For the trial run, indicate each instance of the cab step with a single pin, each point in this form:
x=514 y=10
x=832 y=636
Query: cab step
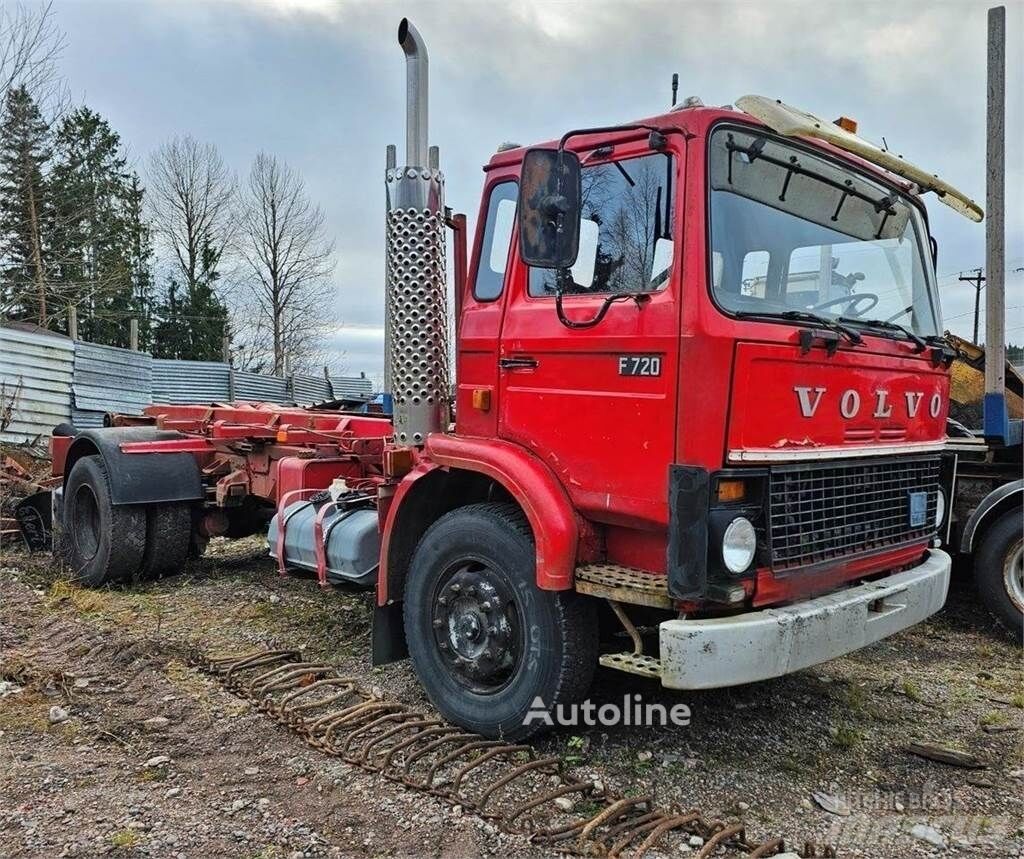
x=632 y=663
x=624 y=585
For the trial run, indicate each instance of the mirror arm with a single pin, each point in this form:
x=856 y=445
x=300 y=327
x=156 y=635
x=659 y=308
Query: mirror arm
x=597 y=317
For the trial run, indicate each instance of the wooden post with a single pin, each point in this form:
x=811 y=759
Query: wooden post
x=72 y=322
x=977 y=280
x=225 y=349
x=133 y=334
x=995 y=180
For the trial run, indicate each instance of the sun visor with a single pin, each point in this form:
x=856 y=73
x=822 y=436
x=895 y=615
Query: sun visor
x=814 y=189
x=792 y=122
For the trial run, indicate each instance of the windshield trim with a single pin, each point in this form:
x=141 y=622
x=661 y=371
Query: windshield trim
x=919 y=216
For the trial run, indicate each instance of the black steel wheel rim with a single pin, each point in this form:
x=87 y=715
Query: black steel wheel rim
x=477 y=625
x=86 y=520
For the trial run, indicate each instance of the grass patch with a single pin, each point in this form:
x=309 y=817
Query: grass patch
x=993 y=717
x=84 y=601
x=25 y=711
x=847 y=737
x=912 y=691
x=574 y=748
x=1017 y=699
x=124 y=839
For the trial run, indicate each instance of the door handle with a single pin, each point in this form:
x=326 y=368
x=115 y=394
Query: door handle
x=517 y=363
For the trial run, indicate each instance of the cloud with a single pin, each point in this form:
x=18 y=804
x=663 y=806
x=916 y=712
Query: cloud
x=321 y=84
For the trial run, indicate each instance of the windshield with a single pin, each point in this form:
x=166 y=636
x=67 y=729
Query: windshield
x=791 y=231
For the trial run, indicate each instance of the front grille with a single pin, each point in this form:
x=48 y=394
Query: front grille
x=821 y=512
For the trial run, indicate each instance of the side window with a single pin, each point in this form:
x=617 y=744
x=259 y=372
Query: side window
x=494 y=245
x=625 y=234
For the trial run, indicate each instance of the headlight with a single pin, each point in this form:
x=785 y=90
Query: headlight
x=940 y=508
x=738 y=545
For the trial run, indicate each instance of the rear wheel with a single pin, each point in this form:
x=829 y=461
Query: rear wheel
x=103 y=543
x=484 y=640
x=168 y=537
x=999 y=572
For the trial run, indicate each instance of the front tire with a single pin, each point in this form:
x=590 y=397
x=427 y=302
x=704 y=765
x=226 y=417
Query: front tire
x=999 y=572
x=103 y=543
x=484 y=640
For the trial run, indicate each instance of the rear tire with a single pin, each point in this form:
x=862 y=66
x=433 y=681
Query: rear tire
x=999 y=572
x=168 y=538
x=103 y=543
x=484 y=640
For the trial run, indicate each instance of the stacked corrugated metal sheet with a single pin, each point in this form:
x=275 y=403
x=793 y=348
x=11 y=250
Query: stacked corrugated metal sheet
x=351 y=387
x=264 y=389
x=109 y=379
x=47 y=379
x=309 y=389
x=176 y=381
x=35 y=383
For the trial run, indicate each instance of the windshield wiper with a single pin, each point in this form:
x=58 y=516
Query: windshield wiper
x=806 y=316
x=919 y=344
x=824 y=322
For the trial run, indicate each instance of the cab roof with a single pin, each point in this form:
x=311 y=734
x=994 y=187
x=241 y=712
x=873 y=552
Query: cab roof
x=696 y=121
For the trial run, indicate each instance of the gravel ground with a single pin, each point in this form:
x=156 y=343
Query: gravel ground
x=111 y=744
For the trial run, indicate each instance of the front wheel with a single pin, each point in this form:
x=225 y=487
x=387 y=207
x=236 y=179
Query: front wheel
x=485 y=642
x=999 y=572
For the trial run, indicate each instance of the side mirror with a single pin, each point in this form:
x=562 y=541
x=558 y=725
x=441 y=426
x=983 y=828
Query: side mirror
x=549 y=208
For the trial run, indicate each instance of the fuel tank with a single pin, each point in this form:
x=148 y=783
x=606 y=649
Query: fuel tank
x=350 y=535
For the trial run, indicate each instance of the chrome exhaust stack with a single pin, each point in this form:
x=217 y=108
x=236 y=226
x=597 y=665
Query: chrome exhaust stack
x=416 y=303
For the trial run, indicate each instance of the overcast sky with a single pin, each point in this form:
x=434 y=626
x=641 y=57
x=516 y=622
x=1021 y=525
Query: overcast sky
x=320 y=83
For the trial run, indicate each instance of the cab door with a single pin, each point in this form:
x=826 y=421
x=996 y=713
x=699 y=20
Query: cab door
x=596 y=400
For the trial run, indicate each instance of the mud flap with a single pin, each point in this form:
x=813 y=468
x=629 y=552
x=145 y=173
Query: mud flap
x=35 y=520
x=388 y=639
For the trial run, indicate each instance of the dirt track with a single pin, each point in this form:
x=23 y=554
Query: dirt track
x=236 y=784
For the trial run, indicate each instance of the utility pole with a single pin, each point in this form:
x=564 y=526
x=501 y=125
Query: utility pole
x=133 y=334
x=996 y=419
x=977 y=280
x=72 y=322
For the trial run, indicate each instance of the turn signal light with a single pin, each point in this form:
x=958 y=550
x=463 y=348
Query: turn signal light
x=731 y=490
x=282 y=435
x=847 y=124
x=482 y=399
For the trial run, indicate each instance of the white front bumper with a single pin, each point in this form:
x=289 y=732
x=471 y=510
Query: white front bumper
x=728 y=651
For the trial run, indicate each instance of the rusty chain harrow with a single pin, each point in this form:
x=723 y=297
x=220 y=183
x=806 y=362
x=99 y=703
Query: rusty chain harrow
x=508 y=784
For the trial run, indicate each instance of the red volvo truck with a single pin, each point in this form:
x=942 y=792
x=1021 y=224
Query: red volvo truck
x=700 y=398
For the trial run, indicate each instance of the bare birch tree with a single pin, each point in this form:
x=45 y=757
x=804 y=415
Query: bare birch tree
x=290 y=258
x=192 y=195
x=30 y=44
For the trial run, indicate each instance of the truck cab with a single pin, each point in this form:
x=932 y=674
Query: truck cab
x=733 y=390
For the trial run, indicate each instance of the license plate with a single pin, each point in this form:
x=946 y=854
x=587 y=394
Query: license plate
x=918 y=509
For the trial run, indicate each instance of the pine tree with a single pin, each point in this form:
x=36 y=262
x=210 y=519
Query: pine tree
x=92 y=230
x=192 y=325
x=170 y=332
x=24 y=151
x=208 y=314
x=140 y=257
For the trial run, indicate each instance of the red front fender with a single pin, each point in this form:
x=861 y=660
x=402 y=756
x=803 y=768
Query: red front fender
x=528 y=480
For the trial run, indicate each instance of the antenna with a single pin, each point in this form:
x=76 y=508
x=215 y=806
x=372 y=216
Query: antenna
x=675 y=87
